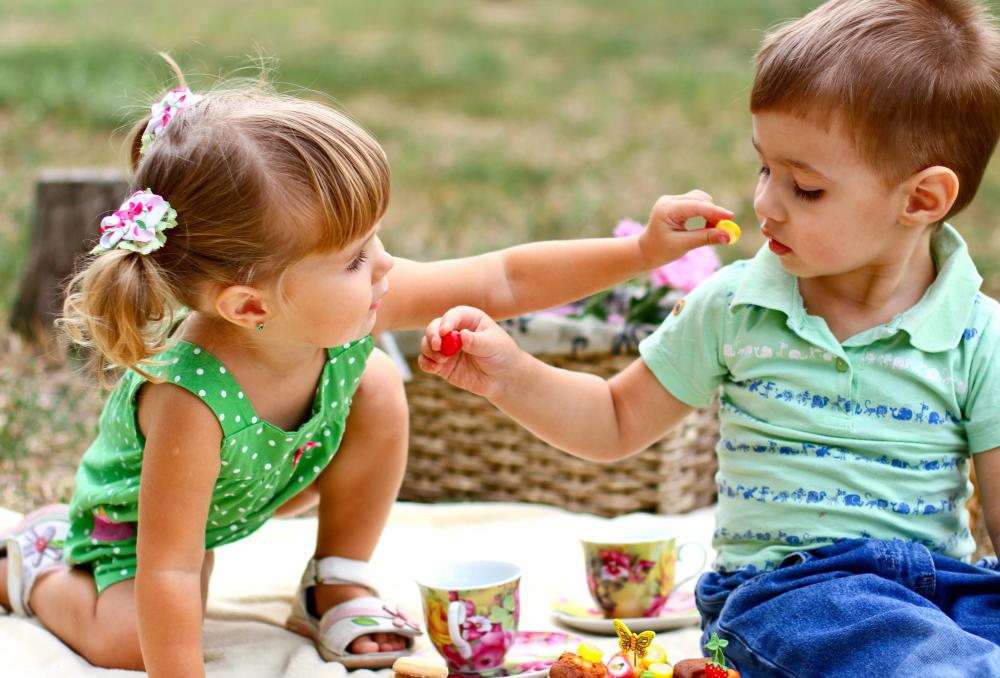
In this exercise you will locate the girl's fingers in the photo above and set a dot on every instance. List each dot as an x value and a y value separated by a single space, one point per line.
698 195
676 212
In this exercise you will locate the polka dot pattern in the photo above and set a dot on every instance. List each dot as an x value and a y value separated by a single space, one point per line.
261 465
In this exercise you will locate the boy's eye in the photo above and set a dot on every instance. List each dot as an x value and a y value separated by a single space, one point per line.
764 170
808 195
358 260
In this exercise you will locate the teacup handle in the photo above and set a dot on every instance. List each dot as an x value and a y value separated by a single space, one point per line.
704 561
456 617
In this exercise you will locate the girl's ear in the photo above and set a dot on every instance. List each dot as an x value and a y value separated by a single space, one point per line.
930 194
242 305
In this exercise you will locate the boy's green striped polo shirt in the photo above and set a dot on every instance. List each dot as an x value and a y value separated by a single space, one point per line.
822 441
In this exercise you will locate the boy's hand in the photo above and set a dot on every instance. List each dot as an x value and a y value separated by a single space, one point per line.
665 238
488 357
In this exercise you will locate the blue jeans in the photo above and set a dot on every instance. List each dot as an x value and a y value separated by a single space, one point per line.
858 608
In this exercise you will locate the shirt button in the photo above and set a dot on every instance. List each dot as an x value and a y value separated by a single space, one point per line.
841 365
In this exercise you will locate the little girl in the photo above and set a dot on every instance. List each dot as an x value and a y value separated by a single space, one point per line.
260 214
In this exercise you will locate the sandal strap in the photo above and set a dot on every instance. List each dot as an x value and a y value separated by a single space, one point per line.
380 617
337 570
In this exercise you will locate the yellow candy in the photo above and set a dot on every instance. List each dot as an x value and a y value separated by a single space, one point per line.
656 654
730 227
661 670
590 652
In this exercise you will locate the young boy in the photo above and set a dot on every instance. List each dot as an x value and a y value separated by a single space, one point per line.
856 362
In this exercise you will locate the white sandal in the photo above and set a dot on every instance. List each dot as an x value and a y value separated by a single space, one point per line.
342 624
32 547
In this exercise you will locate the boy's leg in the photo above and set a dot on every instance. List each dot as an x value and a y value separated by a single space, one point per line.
100 628
858 608
357 489
970 594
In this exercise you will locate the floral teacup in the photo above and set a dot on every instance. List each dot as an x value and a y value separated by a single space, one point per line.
634 574
472 610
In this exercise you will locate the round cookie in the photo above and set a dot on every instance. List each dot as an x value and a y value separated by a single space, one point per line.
418 667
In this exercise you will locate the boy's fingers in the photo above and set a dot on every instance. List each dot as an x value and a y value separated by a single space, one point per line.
428 365
460 317
483 344
430 348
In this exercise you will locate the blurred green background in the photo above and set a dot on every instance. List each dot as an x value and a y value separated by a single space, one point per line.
504 121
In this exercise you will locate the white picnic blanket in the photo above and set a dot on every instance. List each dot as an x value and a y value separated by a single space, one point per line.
251 589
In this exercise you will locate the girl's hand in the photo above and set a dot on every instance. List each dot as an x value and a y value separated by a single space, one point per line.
665 237
488 358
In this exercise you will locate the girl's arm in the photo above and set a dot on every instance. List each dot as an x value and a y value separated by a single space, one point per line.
534 276
583 414
179 469
988 477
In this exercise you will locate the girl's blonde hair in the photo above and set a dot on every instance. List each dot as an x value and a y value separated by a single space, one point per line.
259 180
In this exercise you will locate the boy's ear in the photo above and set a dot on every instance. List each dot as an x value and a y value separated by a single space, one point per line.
930 194
242 305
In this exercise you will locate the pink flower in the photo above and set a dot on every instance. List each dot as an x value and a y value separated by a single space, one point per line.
640 570
476 627
687 272
561 311
627 227
490 650
614 565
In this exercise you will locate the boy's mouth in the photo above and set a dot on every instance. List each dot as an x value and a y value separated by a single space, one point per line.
774 244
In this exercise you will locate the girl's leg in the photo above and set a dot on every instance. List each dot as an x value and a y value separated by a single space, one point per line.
357 489
100 628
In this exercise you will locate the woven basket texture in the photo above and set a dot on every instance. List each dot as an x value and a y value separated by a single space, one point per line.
462 448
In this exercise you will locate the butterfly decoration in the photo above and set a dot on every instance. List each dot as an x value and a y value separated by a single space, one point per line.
636 643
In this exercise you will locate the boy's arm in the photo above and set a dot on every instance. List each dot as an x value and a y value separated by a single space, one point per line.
988 477
179 469
534 276
582 414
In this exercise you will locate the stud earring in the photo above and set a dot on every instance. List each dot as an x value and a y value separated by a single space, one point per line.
260 327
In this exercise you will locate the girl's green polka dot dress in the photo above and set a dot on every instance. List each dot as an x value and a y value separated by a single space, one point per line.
262 465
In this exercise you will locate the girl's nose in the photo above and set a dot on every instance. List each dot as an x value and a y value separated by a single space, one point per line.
383 260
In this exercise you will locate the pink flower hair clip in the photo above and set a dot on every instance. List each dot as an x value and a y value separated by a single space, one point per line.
164 110
138 225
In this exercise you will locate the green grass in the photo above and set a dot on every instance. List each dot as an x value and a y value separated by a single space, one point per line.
505 120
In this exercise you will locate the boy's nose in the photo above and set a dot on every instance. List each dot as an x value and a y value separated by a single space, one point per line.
765 206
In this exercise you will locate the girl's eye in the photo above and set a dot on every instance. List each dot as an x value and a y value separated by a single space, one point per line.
764 170
358 260
803 194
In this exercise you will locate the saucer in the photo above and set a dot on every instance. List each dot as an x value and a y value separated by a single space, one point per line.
679 611
531 655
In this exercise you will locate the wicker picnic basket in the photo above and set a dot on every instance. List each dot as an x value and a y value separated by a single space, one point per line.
462 448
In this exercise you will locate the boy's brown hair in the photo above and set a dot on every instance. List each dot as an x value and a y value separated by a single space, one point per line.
915 83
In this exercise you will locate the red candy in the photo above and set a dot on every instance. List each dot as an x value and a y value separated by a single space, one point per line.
451 343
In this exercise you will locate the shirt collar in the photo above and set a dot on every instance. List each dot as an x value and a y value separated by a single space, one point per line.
935 323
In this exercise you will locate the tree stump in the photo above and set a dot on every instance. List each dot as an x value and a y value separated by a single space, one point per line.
69 205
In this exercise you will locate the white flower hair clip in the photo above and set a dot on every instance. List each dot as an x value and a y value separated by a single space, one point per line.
163 111
138 225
